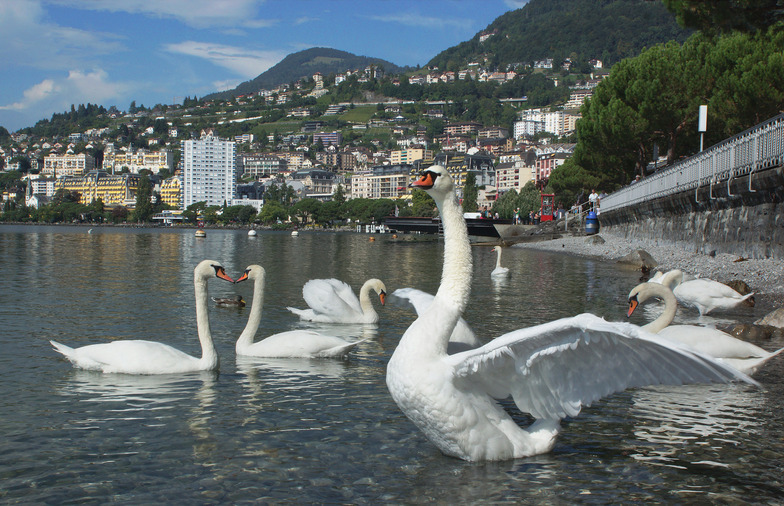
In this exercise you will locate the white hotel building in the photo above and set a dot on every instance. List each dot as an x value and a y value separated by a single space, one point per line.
209 170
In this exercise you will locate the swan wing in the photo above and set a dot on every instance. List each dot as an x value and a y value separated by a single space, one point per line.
421 301
331 297
554 369
300 344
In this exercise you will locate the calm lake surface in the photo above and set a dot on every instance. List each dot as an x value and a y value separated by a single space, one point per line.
327 431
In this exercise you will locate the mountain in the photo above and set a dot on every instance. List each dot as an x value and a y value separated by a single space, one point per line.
609 30
304 64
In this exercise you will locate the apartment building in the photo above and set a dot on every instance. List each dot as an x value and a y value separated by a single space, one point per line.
409 155
68 165
42 186
381 182
328 138
209 170
113 190
467 128
136 161
262 165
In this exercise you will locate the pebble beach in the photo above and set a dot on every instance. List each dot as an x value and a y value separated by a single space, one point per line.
764 276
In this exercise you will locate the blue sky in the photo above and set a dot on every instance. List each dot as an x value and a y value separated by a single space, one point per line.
54 53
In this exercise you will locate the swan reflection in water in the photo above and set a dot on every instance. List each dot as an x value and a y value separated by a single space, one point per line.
139 390
154 399
670 418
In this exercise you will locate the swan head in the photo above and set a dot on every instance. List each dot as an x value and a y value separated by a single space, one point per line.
209 268
251 272
643 292
435 180
378 286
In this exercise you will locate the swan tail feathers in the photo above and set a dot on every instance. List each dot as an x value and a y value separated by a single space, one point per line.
304 314
340 350
61 348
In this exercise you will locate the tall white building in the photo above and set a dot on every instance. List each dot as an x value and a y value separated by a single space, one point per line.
209 170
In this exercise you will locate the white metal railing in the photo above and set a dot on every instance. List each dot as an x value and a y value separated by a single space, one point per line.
757 148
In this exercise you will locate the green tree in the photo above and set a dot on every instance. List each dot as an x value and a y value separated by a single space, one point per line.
306 208
144 208
470 194
272 211
422 204
726 15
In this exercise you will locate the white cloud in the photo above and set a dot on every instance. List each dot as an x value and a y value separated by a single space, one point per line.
195 13
243 62
55 95
419 21
26 39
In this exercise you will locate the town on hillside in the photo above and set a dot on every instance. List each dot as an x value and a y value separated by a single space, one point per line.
190 157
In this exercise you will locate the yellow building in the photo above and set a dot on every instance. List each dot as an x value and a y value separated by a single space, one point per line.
114 190
171 192
68 165
409 156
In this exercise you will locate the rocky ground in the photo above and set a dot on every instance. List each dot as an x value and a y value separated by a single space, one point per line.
764 276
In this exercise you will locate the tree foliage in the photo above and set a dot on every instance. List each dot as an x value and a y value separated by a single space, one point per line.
654 99
726 15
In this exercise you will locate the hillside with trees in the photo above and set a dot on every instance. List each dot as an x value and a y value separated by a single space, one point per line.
608 30
653 100
304 64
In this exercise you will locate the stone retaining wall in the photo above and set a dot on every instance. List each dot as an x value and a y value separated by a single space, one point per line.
728 218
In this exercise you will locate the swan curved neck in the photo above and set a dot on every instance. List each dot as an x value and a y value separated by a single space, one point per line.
498 259
670 306
457 269
209 356
254 319
364 298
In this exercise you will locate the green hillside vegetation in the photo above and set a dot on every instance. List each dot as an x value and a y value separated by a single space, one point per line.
609 30
360 114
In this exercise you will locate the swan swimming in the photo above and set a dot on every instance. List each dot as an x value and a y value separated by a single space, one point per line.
705 294
499 272
742 355
332 301
291 344
149 357
550 370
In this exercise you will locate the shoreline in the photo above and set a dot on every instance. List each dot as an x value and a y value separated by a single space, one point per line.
764 276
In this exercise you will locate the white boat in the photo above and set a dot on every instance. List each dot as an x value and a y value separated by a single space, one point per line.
201 233
252 233
294 233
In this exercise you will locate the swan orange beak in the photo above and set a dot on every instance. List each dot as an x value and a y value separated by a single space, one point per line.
632 305
243 277
383 297
426 181
221 273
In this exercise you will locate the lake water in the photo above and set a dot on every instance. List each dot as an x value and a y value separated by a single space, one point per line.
327 431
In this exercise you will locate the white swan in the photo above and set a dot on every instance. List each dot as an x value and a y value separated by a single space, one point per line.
332 301
743 356
551 370
704 294
499 272
291 344
462 338
149 357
